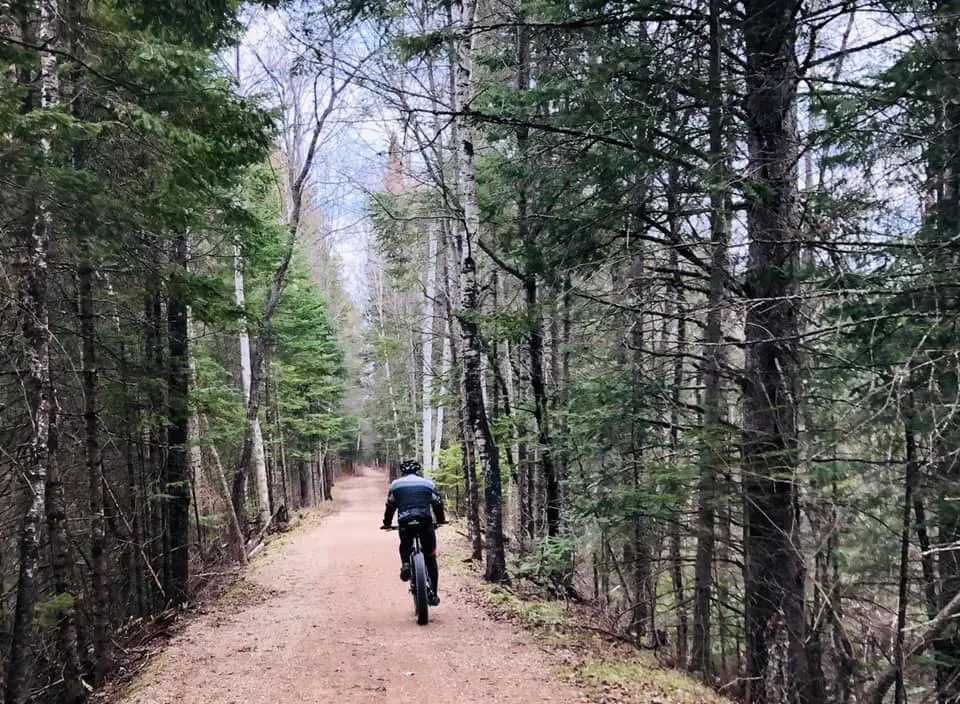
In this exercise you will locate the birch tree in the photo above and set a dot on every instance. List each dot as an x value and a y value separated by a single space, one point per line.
258 458
430 292
32 246
299 160
465 17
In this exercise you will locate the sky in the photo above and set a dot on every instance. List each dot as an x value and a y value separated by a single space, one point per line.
351 154
351 158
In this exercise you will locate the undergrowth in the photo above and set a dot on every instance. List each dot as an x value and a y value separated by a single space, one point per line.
610 670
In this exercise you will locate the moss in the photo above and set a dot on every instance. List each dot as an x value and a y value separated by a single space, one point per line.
641 679
611 671
548 615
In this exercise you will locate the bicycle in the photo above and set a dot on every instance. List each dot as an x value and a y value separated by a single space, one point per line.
419 578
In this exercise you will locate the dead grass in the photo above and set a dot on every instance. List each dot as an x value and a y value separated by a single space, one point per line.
609 670
140 647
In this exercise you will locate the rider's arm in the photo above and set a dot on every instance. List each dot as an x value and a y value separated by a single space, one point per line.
437 504
390 509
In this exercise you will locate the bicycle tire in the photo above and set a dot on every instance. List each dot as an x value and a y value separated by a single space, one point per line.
420 594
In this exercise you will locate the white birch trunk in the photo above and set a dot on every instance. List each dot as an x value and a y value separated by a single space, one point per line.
193 432
259 459
445 365
430 290
386 369
484 373
465 12
32 259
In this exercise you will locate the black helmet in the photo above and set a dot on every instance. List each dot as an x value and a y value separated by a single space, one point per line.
409 467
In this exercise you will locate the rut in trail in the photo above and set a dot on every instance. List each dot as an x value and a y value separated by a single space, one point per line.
338 626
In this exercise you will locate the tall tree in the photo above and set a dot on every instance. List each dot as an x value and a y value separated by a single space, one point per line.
774 573
496 565
32 238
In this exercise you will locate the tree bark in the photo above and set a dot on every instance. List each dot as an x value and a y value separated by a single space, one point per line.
445 366
426 349
910 478
468 453
496 566
32 246
253 420
712 447
61 561
94 461
177 488
541 405
774 573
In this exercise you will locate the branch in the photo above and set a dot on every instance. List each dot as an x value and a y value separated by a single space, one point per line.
568 131
512 270
934 630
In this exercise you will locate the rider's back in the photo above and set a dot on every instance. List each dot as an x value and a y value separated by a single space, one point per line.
413 496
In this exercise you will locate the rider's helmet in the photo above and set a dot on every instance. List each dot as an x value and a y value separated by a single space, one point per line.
410 467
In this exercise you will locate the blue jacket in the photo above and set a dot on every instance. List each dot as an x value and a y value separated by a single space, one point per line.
412 497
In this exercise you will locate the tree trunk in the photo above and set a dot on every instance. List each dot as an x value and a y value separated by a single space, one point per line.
676 540
945 460
155 536
910 478
426 350
774 573
496 567
280 451
445 366
193 436
98 559
306 486
255 439
930 634
398 437
468 453
540 405
177 489
61 561
712 448
235 534
32 245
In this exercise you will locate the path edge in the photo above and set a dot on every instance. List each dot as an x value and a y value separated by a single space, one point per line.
140 645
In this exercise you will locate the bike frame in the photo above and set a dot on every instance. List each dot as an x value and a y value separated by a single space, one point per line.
421 609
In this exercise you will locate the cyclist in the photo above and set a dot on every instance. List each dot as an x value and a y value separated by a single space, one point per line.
412 496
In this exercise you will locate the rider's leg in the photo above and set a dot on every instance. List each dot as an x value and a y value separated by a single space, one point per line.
406 545
428 541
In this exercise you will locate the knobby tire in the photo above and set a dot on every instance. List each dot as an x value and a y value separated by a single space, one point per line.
420 590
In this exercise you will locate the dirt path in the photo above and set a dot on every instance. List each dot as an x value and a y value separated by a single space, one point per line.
339 627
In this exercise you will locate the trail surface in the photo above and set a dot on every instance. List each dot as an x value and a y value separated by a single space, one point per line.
338 626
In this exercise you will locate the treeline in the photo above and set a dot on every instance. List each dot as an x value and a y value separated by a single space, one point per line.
683 279
172 382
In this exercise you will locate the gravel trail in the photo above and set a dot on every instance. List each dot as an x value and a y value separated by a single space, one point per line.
336 624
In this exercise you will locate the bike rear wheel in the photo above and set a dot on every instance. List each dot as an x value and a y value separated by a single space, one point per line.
420 596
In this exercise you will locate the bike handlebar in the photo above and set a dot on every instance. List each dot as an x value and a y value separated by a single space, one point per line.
435 525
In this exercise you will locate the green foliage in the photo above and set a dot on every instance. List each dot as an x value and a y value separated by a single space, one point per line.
307 368
449 473
49 613
552 561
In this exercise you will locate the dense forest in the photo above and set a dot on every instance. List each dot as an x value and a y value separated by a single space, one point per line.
664 295
174 378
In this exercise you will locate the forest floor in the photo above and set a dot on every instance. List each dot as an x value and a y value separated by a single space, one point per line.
324 617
